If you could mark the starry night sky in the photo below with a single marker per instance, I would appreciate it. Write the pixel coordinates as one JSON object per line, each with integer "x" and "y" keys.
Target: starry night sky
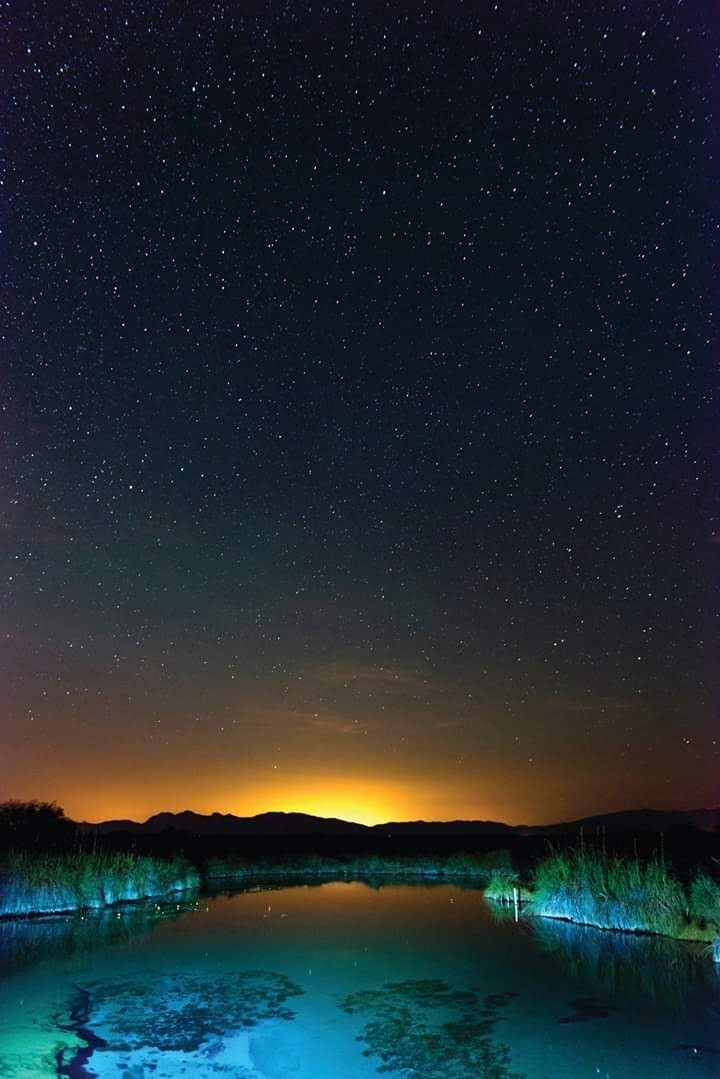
{"x": 357, "y": 402}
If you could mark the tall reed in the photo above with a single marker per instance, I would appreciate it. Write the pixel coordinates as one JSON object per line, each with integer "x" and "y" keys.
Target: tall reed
{"x": 593, "y": 887}
{"x": 46, "y": 883}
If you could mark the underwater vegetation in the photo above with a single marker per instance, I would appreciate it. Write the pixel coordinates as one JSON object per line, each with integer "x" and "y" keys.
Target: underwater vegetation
{"x": 49, "y": 883}
{"x": 191, "y": 1023}
{"x": 429, "y": 1030}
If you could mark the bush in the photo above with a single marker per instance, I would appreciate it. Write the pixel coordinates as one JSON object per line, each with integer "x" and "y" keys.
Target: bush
{"x": 34, "y": 825}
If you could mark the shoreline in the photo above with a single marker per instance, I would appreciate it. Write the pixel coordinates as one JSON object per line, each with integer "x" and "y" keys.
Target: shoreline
{"x": 103, "y": 908}
{"x": 525, "y": 911}
{"x": 582, "y": 885}
{"x": 262, "y": 875}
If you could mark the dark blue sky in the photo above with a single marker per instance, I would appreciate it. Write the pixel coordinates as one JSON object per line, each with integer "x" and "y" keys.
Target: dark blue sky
{"x": 358, "y": 407}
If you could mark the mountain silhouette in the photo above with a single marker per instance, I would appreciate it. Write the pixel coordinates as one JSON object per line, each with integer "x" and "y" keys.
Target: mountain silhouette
{"x": 289, "y": 824}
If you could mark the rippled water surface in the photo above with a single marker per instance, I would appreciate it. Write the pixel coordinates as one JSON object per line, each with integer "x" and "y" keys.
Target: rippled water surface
{"x": 347, "y": 981}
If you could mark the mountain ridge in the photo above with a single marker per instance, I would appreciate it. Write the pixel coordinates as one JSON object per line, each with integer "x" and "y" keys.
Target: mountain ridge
{"x": 284, "y": 823}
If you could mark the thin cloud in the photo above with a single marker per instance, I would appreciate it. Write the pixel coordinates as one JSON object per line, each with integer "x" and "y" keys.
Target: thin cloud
{"x": 599, "y": 706}
{"x": 329, "y": 725}
{"x": 371, "y": 677}
{"x": 263, "y": 715}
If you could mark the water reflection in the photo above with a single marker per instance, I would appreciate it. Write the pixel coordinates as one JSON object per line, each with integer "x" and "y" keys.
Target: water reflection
{"x": 653, "y": 969}
{"x": 25, "y": 941}
{"x": 317, "y": 979}
{"x": 228, "y": 887}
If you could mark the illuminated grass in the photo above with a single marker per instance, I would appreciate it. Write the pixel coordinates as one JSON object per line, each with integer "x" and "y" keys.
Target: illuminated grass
{"x": 704, "y": 905}
{"x": 591, "y": 887}
{"x": 504, "y": 884}
{"x": 582, "y": 885}
{"x": 50, "y": 883}
{"x": 594, "y": 888}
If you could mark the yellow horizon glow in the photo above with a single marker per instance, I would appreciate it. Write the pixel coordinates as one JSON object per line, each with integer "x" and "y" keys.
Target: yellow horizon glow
{"x": 356, "y": 802}
{"x": 98, "y": 789}
{"x": 364, "y": 802}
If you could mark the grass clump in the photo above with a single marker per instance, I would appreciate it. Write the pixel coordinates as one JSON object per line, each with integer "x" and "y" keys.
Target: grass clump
{"x": 46, "y": 883}
{"x": 591, "y": 887}
{"x": 503, "y": 884}
{"x": 704, "y": 901}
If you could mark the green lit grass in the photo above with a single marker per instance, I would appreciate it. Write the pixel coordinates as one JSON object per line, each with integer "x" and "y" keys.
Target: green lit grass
{"x": 594, "y": 888}
{"x": 45, "y": 883}
{"x": 584, "y": 885}
{"x": 704, "y": 904}
{"x": 591, "y": 887}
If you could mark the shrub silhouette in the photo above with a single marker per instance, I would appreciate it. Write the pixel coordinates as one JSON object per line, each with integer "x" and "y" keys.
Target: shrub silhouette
{"x": 34, "y": 825}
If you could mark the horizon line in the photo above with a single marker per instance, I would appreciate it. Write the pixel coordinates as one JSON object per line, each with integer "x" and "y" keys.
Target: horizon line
{"x": 385, "y": 823}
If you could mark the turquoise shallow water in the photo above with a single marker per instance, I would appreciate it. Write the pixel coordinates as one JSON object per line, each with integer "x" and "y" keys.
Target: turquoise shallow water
{"x": 348, "y": 981}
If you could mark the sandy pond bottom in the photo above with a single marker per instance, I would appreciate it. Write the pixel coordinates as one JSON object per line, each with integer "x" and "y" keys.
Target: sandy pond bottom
{"x": 343, "y": 981}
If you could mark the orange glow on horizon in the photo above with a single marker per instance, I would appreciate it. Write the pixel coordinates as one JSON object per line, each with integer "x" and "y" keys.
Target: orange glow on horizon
{"x": 363, "y": 803}
{"x": 126, "y": 785}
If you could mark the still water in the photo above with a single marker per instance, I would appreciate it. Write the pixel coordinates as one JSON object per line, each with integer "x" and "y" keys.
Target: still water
{"x": 346, "y": 981}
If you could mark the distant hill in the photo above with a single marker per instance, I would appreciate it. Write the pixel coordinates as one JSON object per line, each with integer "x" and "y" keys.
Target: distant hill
{"x": 639, "y": 820}
{"x": 291, "y": 824}
{"x": 443, "y": 827}
{"x": 229, "y": 825}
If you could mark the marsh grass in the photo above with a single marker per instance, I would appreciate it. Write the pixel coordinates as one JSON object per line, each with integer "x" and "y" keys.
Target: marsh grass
{"x": 504, "y": 884}
{"x": 595, "y": 888}
{"x": 583, "y": 884}
{"x": 588, "y": 886}
{"x": 704, "y": 904}
{"x": 46, "y": 883}
{"x": 476, "y": 867}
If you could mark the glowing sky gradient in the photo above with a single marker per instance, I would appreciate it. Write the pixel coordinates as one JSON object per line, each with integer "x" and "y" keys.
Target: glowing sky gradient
{"x": 355, "y": 436}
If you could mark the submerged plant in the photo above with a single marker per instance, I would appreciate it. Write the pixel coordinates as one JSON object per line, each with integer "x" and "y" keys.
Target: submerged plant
{"x": 429, "y": 1030}
{"x": 197, "y": 1018}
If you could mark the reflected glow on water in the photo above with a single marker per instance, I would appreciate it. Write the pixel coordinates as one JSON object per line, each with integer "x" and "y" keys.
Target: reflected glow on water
{"x": 344, "y": 979}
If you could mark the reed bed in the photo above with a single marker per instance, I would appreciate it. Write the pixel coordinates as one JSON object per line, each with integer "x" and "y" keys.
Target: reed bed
{"x": 45, "y": 883}
{"x": 594, "y": 888}
{"x": 476, "y": 867}
{"x": 590, "y": 887}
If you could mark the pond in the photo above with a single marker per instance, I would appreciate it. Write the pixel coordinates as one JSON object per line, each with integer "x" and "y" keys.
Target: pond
{"x": 347, "y": 981}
